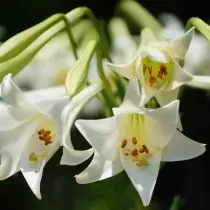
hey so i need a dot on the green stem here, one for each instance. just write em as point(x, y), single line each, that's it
point(139, 15)
point(108, 93)
point(70, 36)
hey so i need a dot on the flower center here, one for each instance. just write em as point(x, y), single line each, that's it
point(157, 74)
point(42, 141)
point(133, 142)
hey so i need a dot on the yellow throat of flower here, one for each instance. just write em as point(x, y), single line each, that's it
point(133, 142)
point(156, 74)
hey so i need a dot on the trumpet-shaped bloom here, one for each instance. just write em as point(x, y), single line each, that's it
point(156, 65)
point(32, 128)
point(135, 140)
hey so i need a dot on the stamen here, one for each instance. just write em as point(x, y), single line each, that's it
point(124, 143)
point(145, 148)
point(150, 69)
point(152, 80)
point(134, 140)
point(45, 135)
point(134, 152)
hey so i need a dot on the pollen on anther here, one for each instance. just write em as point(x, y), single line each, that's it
point(145, 149)
point(124, 143)
point(134, 140)
point(41, 138)
point(47, 133)
point(40, 132)
point(134, 152)
point(152, 80)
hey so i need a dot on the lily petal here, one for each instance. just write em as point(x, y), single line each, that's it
point(182, 148)
point(132, 98)
point(12, 144)
point(42, 94)
point(147, 37)
point(125, 70)
point(143, 178)
point(179, 46)
point(101, 135)
point(11, 94)
point(33, 177)
point(155, 55)
point(74, 157)
point(161, 123)
point(180, 77)
point(70, 112)
point(99, 169)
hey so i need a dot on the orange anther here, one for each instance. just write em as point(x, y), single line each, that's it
point(134, 140)
point(124, 143)
point(134, 152)
point(40, 132)
point(145, 149)
point(152, 80)
point(47, 133)
point(41, 138)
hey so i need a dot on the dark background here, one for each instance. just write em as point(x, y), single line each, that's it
point(190, 179)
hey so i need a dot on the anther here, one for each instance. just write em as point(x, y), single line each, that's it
point(41, 138)
point(124, 143)
point(134, 152)
point(145, 148)
point(134, 140)
point(152, 80)
point(40, 132)
point(47, 133)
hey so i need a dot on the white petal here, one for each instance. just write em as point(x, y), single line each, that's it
point(182, 148)
point(33, 177)
point(69, 114)
point(180, 77)
point(132, 98)
point(125, 70)
point(143, 178)
point(43, 94)
point(202, 82)
point(74, 157)
point(12, 144)
point(155, 55)
point(147, 37)
point(73, 108)
point(101, 135)
point(146, 95)
point(161, 123)
point(179, 46)
point(165, 97)
point(11, 94)
point(99, 169)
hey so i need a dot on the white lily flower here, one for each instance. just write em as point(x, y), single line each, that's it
point(135, 140)
point(34, 125)
point(156, 66)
